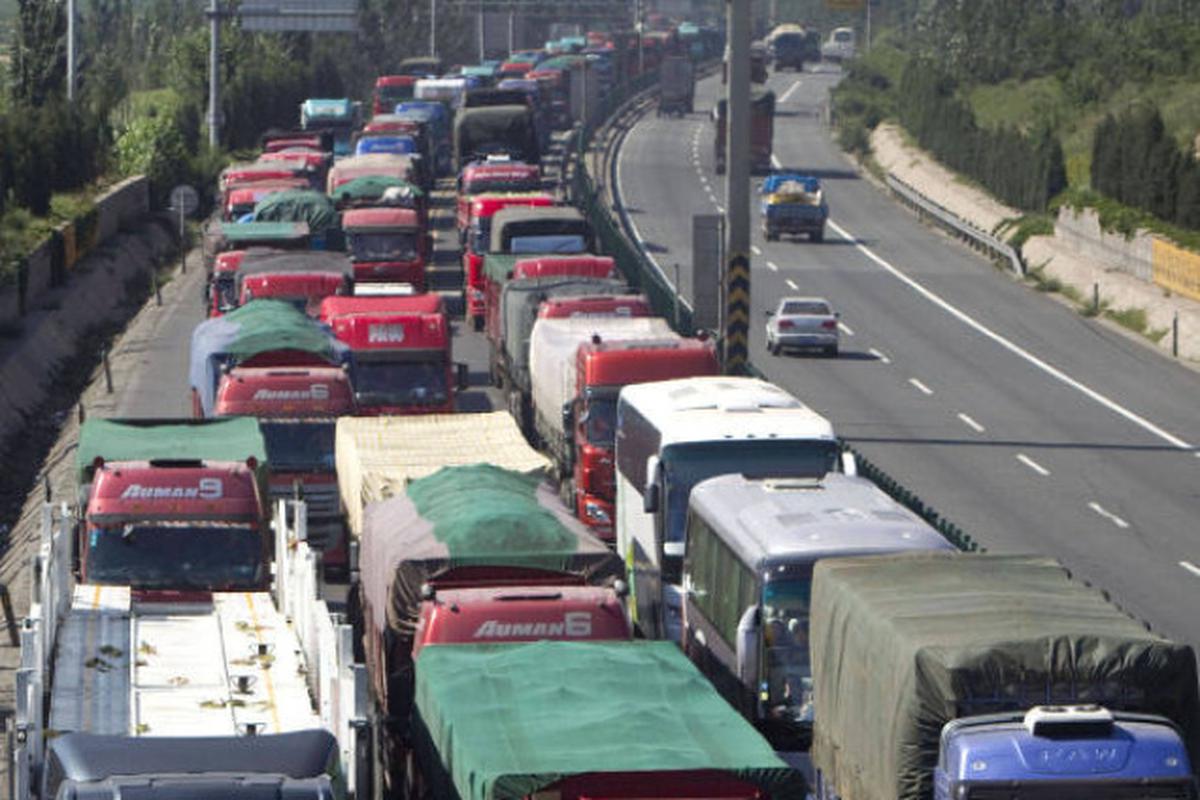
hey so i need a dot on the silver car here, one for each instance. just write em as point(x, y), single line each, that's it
point(803, 322)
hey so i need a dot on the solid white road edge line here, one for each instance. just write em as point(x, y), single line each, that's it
point(1120, 523)
point(1012, 347)
point(1033, 465)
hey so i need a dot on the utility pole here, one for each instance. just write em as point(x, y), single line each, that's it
point(737, 188)
point(638, 24)
point(867, 48)
point(482, 42)
point(214, 75)
point(71, 80)
point(512, 30)
point(433, 28)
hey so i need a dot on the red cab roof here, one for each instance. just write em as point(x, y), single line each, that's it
point(553, 266)
point(345, 305)
point(282, 392)
point(380, 218)
point(620, 363)
point(378, 125)
point(605, 305)
point(312, 158)
point(290, 284)
point(229, 261)
point(198, 490)
point(395, 80)
point(485, 205)
point(501, 171)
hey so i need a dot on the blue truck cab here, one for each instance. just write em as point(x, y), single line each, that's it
point(1062, 753)
point(437, 118)
point(793, 204)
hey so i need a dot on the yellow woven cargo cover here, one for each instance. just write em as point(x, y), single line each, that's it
point(377, 456)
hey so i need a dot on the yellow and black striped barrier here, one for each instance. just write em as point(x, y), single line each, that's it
point(737, 314)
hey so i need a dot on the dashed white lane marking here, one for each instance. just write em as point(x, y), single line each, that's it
point(970, 423)
point(720, 208)
point(920, 387)
point(1120, 523)
point(775, 162)
point(792, 284)
point(788, 93)
point(1012, 347)
point(1190, 567)
point(771, 265)
point(755, 249)
point(1033, 465)
point(879, 354)
point(845, 329)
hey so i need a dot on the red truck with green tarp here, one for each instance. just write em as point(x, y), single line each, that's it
point(470, 527)
point(576, 720)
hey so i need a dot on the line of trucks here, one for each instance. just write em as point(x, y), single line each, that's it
point(640, 580)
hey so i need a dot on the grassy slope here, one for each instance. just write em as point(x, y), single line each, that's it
point(1043, 99)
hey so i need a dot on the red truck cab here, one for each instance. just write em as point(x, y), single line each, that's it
point(520, 614)
point(387, 244)
point(297, 409)
point(391, 90)
point(602, 369)
point(477, 232)
point(175, 526)
point(305, 290)
point(493, 178)
point(400, 357)
point(600, 305)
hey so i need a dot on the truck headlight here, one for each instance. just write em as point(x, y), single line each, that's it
point(595, 512)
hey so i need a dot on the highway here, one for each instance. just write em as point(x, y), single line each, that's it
point(1033, 428)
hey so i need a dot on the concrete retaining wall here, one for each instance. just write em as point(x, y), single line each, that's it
point(1080, 230)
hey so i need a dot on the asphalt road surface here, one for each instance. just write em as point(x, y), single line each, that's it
point(1033, 428)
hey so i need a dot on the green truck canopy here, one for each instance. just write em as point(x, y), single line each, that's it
point(478, 515)
point(510, 720)
point(231, 439)
point(247, 234)
point(372, 187)
point(903, 644)
point(298, 205)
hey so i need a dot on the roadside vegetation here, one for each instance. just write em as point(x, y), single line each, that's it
point(1113, 86)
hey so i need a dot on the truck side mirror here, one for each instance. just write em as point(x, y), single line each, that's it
point(747, 645)
point(462, 377)
point(849, 463)
point(651, 497)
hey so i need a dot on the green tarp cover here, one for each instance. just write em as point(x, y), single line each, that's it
point(563, 62)
point(232, 439)
point(901, 645)
point(497, 266)
point(260, 326)
point(372, 187)
point(298, 205)
point(254, 232)
point(469, 516)
point(495, 129)
point(508, 720)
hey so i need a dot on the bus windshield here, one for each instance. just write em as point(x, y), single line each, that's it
point(785, 607)
point(685, 465)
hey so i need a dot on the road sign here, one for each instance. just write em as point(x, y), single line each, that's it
point(184, 200)
point(326, 16)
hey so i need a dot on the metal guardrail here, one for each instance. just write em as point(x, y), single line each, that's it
point(979, 238)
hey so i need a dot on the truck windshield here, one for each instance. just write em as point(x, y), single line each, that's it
point(601, 421)
point(160, 555)
point(295, 446)
point(400, 382)
point(549, 243)
point(785, 604)
point(396, 246)
point(685, 465)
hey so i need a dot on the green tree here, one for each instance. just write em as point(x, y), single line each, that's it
point(39, 65)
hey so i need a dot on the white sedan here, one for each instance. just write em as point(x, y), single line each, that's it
point(803, 322)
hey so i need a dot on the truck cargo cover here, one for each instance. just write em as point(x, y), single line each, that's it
point(519, 301)
point(489, 129)
point(298, 205)
point(553, 345)
point(465, 516)
point(508, 720)
point(260, 326)
point(262, 261)
point(377, 456)
point(230, 439)
point(901, 645)
point(375, 187)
